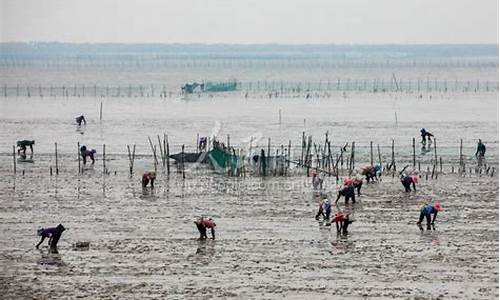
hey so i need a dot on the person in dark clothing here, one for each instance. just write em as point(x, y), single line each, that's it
point(348, 193)
point(263, 162)
point(202, 224)
point(426, 211)
point(81, 119)
point(84, 152)
point(53, 233)
point(22, 146)
point(202, 144)
point(425, 134)
point(408, 181)
point(481, 150)
point(148, 177)
point(325, 208)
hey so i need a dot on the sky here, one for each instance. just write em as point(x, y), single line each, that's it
point(251, 21)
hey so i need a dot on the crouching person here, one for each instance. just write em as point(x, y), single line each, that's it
point(53, 233)
point(202, 224)
point(148, 177)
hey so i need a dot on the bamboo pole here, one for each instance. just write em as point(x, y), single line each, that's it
point(461, 162)
point(153, 148)
point(182, 162)
point(352, 157)
point(79, 165)
point(156, 160)
point(161, 151)
point(104, 158)
point(371, 153)
point(414, 159)
point(57, 165)
point(379, 155)
point(303, 147)
point(14, 158)
point(131, 165)
point(167, 155)
point(197, 143)
point(435, 151)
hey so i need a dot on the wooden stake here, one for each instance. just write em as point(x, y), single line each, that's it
point(79, 165)
point(130, 162)
point(14, 158)
point(168, 155)
point(435, 152)
point(371, 153)
point(182, 162)
point(57, 165)
point(104, 158)
point(161, 151)
point(414, 159)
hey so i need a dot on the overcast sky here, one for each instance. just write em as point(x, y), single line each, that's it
point(251, 21)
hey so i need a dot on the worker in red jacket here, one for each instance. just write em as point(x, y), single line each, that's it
point(202, 224)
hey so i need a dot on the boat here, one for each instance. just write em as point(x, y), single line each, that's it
point(219, 86)
point(200, 157)
point(209, 87)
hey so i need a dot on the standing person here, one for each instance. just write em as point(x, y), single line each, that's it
point(425, 134)
point(202, 224)
point(84, 152)
point(325, 208)
point(263, 162)
point(147, 177)
point(53, 233)
point(81, 119)
point(426, 211)
point(481, 150)
point(22, 146)
point(408, 181)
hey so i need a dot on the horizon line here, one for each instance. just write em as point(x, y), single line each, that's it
point(247, 44)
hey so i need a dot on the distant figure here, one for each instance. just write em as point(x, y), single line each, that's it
point(317, 182)
point(263, 162)
point(84, 152)
point(426, 211)
point(202, 224)
point(324, 208)
point(342, 222)
point(148, 177)
point(53, 234)
point(408, 181)
point(202, 143)
point(425, 134)
point(81, 119)
point(357, 183)
point(347, 191)
point(481, 150)
point(372, 172)
point(22, 146)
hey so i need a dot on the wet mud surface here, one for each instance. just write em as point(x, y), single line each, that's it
point(268, 244)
